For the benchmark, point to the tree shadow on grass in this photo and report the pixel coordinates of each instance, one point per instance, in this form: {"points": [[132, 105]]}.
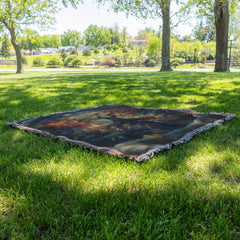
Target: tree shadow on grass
{"points": [[110, 198], [39, 95], [43, 205], [70, 91]]}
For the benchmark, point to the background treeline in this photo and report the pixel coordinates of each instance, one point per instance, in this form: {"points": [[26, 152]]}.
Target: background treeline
{"points": [[115, 47]]}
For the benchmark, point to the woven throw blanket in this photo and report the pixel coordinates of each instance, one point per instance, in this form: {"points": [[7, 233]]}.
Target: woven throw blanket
{"points": [[125, 131]]}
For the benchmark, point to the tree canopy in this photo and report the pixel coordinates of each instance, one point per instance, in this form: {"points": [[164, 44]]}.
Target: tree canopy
{"points": [[17, 15], [71, 38], [97, 36], [5, 49], [145, 9]]}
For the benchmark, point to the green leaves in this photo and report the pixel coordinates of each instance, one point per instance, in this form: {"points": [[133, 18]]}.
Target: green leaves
{"points": [[21, 13], [97, 36], [74, 3]]}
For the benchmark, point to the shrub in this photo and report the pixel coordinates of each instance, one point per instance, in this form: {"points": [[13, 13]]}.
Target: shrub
{"points": [[105, 52], [125, 50], [131, 46], [180, 54], [118, 52], [97, 62], [63, 54], [119, 60], [38, 62], [203, 59], [76, 62], [211, 57], [109, 48], [96, 50], [73, 61], [24, 60], [86, 52], [150, 62], [115, 46], [175, 64], [138, 62], [68, 60], [126, 59], [54, 62], [74, 51], [178, 60], [109, 61]]}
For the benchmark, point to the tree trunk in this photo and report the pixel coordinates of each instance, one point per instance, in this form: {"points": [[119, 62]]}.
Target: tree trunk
{"points": [[165, 8], [17, 48], [221, 12]]}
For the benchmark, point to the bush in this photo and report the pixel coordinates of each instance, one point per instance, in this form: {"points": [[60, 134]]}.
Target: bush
{"points": [[118, 52], [180, 54], [73, 61], [38, 62], [131, 46], [24, 60], [150, 62], [126, 58], [97, 62], [63, 54], [68, 60], [138, 62], [105, 52], [211, 57], [119, 60], [54, 62], [125, 50], [109, 48], [76, 62], [86, 52], [203, 59], [109, 61], [115, 46], [74, 51], [96, 50], [175, 64], [178, 60]]}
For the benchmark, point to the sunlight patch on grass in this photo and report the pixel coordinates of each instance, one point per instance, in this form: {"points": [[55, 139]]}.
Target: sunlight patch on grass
{"points": [[15, 102], [51, 189], [5, 207]]}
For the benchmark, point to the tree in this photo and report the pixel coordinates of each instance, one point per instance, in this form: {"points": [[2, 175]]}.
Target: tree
{"points": [[221, 10], [205, 32], [51, 41], [124, 35], [97, 36], [144, 9], [154, 48], [115, 35], [165, 9], [72, 38], [5, 49], [15, 15], [144, 35], [31, 41], [234, 25]]}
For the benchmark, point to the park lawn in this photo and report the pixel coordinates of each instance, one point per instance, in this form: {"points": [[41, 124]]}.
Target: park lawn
{"points": [[52, 190]]}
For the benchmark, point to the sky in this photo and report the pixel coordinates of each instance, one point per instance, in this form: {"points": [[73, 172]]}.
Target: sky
{"points": [[88, 13]]}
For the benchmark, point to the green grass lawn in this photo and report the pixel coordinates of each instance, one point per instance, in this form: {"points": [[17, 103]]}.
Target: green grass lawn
{"points": [[52, 190]]}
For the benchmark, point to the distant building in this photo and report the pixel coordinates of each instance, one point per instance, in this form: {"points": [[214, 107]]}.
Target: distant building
{"points": [[33, 52], [82, 48], [67, 48], [48, 50], [137, 43]]}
